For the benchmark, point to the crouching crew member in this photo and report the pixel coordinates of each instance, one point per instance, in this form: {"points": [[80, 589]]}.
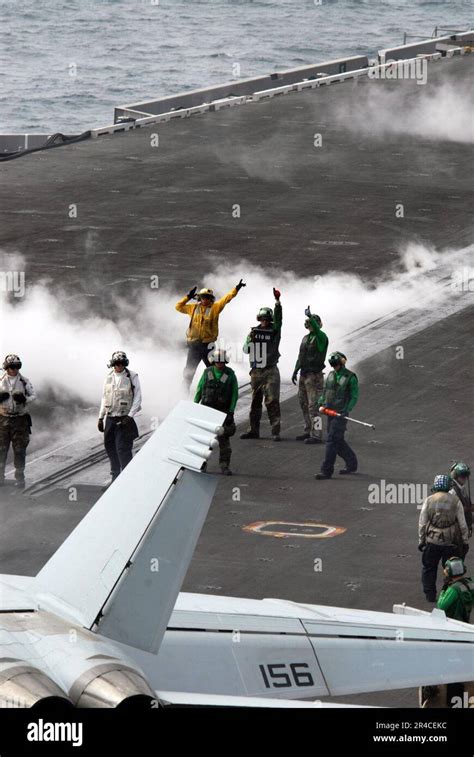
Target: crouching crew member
{"points": [[261, 346], [121, 401], [218, 388], [310, 365], [16, 393], [457, 595], [341, 392], [442, 532], [203, 328], [456, 599]]}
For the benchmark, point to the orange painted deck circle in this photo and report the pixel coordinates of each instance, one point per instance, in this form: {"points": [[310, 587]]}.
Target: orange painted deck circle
{"points": [[300, 530]]}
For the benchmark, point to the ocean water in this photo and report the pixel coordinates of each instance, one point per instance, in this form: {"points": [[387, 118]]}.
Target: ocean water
{"points": [[65, 64]]}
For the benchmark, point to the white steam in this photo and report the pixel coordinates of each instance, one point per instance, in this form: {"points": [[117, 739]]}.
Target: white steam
{"points": [[446, 114], [68, 354]]}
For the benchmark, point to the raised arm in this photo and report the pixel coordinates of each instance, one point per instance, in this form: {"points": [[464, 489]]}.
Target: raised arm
{"points": [[220, 304], [182, 306], [277, 311]]}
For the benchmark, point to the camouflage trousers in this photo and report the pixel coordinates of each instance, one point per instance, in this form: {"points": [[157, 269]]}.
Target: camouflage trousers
{"points": [[225, 450], [14, 431], [310, 388], [265, 385]]}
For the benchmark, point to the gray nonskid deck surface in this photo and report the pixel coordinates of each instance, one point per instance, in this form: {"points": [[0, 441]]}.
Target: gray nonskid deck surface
{"points": [[144, 210]]}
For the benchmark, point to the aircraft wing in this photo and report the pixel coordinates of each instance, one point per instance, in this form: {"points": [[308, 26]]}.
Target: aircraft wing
{"points": [[186, 699], [275, 648]]}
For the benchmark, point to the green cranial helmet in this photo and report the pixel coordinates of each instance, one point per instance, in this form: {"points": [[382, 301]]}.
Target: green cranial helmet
{"points": [[265, 314], [460, 469], [455, 567]]}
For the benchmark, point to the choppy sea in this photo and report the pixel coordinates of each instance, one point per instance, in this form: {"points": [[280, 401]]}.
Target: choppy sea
{"points": [[65, 64]]}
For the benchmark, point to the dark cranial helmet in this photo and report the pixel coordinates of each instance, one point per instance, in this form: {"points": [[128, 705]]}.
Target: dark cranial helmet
{"points": [[442, 483], [118, 358], [307, 323], [460, 469], [335, 358], [265, 314], [12, 361]]}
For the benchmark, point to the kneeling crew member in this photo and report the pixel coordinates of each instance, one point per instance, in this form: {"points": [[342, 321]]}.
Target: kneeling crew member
{"points": [[442, 532], [341, 392], [310, 364], [261, 346], [218, 388], [121, 401], [457, 595], [456, 599], [203, 328], [16, 393]]}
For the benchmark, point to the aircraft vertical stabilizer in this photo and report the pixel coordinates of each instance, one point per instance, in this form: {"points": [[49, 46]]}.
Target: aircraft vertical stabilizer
{"points": [[127, 558]]}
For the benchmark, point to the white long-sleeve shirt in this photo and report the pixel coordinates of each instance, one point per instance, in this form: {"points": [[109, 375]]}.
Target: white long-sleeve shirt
{"points": [[447, 503], [119, 378]]}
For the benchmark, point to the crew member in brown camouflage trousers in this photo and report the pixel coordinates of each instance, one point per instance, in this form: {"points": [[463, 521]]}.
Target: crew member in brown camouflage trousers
{"points": [[310, 365], [261, 346], [460, 473], [16, 392]]}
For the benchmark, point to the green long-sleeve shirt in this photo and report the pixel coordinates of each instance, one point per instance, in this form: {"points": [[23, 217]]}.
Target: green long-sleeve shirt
{"points": [[316, 333], [217, 373], [451, 601], [353, 388], [316, 336]]}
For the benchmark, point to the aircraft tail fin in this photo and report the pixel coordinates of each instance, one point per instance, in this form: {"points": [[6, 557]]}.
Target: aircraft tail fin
{"points": [[127, 558]]}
